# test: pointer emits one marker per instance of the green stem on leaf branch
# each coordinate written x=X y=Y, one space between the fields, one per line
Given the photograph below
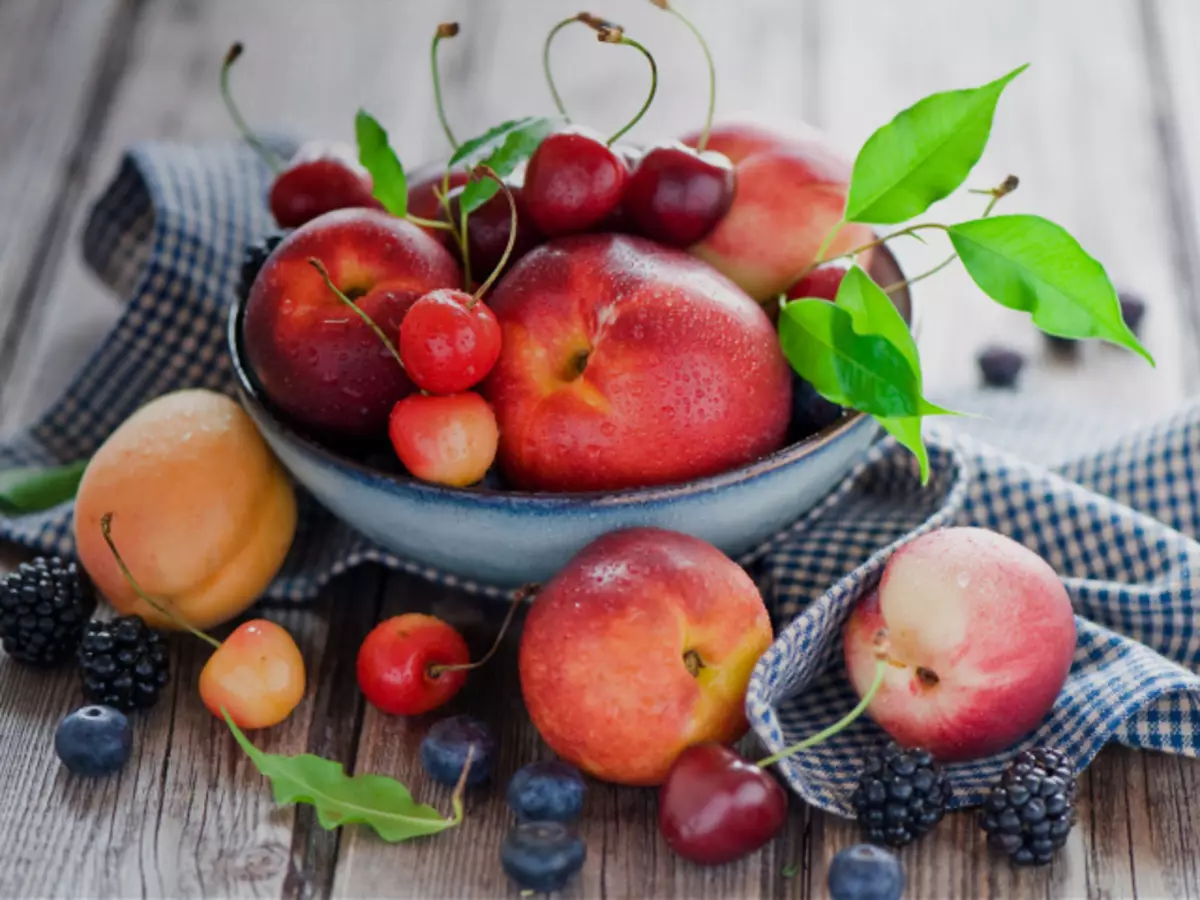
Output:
x=612 y=35
x=712 y=70
x=273 y=160
x=445 y=30
x=324 y=273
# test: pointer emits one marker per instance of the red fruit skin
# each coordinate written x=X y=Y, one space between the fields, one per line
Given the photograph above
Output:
x=823 y=283
x=320 y=178
x=445 y=440
x=573 y=182
x=716 y=807
x=683 y=374
x=423 y=201
x=449 y=342
x=677 y=196
x=395 y=659
x=317 y=360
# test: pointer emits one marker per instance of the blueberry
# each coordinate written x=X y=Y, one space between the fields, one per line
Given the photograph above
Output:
x=547 y=792
x=542 y=856
x=94 y=741
x=1133 y=310
x=865 y=872
x=444 y=750
x=1000 y=366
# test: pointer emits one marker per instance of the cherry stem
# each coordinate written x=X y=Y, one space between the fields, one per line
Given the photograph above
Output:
x=712 y=70
x=429 y=223
x=273 y=160
x=445 y=30
x=520 y=595
x=613 y=35
x=324 y=273
x=106 y=530
x=464 y=244
x=881 y=666
x=456 y=799
x=585 y=18
x=512 y=234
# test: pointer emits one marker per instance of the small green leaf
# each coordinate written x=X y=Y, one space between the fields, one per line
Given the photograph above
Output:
x=518 y=146
x=390 y=186
x=874 y=312
x=478 y=147
x=1031 y=264
x=375 y=800
x=923 y=154
x=29 y=490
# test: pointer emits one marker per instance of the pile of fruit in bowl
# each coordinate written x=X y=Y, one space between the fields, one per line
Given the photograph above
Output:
x=566 y=359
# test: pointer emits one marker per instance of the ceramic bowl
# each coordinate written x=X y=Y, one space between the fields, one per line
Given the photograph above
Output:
x=506 y=538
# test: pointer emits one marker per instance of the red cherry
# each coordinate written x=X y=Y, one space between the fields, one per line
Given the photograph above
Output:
x=487 y=231
x=574 y=181
x=398 y=664
x=823 y=282
x=445 y=440
x=715 y=807
x=423 y=200
x=449 y=341
x=677 y=196
x=320 y=178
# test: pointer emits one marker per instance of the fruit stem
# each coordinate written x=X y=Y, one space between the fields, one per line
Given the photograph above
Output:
x=881 y=667
x=512 y=234
x=829 y=239
x=460 y=788
x=909 y=230
x=324 y=273
x=274 y=162
x=520 y=595
x=429 y=223
x=613 y=35
x=587 y=19
x=464 y=245
x=445 y=30
x=712 y=70
x=106 y=530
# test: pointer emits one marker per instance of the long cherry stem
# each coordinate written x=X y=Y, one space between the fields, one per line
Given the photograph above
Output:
x=881 y=667
x=456 y=799
x=512 y=234
x=106 y=530
x=712 y=70
x=612 y=35
x=520 y=595
x=445 y=30
x=274 y=162
x=585 y=18
x=371 y=323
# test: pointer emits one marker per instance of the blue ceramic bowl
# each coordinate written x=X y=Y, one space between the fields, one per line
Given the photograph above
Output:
x=506 y=538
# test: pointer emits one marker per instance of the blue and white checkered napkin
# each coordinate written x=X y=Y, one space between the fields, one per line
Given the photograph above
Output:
x=1119 y=526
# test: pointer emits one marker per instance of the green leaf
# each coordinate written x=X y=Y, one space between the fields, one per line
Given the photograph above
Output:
x=29 y=490
x=873 y=312
x=478 y=147
x=907 y=431
x=923 y=154
x=1031 y=264
x=517 y=146
x=390 y=186
x=375 y=800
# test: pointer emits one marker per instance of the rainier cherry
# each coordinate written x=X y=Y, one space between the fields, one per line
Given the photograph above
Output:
x=449 y=341
x=446 y=440
x=405 y=665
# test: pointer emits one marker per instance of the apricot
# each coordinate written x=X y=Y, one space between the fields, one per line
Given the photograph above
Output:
x=202 y=511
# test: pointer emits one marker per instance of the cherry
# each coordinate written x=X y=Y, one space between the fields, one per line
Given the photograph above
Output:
x=423 y=189
x=823 y=282
x=677 y=195
x=574 y=181
x=256 y=675
x=401 y=664
x=445 y=440
x=320 y=178
x=449 y=341
x=488 y=229
x=716 y=807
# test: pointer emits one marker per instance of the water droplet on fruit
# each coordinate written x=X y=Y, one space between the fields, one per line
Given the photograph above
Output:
x=352 y=392
x=964 y=579
x=330 y=376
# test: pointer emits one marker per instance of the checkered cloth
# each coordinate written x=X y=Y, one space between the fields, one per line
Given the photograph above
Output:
x=1119 y=526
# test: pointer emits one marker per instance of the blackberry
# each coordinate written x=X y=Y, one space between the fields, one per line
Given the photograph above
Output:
x=1031 y=809
x=43 y=607
x=1000 y=366
x=252 y=261
x=900 y=796
x=124 y=663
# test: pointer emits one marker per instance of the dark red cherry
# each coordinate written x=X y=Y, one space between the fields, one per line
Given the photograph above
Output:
x=487 y=231
x=715 y=807
x=423 y=202
x=574 y=182
x=320 y=178
x=823 y=282
x=676 y=196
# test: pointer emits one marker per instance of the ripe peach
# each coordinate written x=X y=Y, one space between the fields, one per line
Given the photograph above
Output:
x=256 y=675
x=625 y=364
x=641 y=646
x=202 y=512
x=982 y=637
x=791 y=190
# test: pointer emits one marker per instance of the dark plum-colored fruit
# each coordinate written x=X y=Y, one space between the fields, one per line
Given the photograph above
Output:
x=810 y=411
x=677 y=195
x=445 y=748
x=574 y=182
x=542 y=856
x=865 y=872
x=1000 y=366
x=547 y=792
x=94 y=741
x=487 y=231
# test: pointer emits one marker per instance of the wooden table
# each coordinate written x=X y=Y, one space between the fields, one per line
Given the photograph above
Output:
x=1103 y=131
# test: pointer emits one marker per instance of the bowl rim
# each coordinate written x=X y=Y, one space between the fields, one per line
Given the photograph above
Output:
x=882 y=257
